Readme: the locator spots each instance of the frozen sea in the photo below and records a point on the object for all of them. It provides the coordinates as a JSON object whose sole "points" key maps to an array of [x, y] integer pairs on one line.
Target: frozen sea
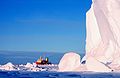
{"points": [[21, 57]]}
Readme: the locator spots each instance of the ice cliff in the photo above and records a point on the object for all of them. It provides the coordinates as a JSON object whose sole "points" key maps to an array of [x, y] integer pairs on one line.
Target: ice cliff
{"points": [[103, 28], [103, 39]]}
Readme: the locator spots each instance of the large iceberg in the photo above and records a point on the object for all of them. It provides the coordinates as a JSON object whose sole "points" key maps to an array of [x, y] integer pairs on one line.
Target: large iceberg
{"points": [[102, 40], [103, 28], [93, 64]]}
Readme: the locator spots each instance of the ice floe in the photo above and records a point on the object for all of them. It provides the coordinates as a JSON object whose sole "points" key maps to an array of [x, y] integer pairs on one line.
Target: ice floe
{"points": [[9, 66], [28, 67]]}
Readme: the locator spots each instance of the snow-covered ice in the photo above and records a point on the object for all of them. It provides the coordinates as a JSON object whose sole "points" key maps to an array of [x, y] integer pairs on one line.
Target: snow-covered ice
{"points": [[28, 67], [69, 62], [9, 66]]}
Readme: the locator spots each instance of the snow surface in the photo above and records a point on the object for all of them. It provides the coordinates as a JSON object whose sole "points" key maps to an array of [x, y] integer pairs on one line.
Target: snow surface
{"points": [[28, 67]]}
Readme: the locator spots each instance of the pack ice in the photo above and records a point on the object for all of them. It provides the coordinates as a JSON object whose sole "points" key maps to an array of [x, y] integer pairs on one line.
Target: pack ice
{"points": [[32, 67]]}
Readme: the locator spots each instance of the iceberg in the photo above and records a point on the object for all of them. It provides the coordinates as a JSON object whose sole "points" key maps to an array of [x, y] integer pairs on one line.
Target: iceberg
{"points": [[103, 28], [69, 62], [93, 64], [102, 40]]}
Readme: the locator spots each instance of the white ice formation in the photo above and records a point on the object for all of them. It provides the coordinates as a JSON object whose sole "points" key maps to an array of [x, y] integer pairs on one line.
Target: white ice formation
{"points": [[28, 67], [102, 40], [9, 66], [69, 62], [103, 28]]}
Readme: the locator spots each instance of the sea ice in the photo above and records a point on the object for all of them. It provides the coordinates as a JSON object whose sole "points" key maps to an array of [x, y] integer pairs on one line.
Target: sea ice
{"points": [[28, 67], [9, 66]]}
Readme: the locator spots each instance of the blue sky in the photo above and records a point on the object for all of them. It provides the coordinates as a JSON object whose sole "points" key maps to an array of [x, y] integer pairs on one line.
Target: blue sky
{"points": [[43, 25]]}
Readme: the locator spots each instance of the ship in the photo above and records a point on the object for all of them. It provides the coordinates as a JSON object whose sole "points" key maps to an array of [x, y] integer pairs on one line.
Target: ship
{"points": [[42, 61]]}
